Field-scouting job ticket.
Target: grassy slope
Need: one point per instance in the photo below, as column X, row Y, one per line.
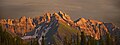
column 63, row 31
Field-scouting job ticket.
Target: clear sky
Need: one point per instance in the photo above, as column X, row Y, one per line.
column 103, row 10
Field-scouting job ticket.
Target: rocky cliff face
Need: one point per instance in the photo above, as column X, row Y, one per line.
column 23, row 25
column 93, row 28
column 18, row 26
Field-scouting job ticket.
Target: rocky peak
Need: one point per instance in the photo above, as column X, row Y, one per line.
column 58, row 17
column 80, row 21
column 29, row 20
column 9, row 21
column 66, row 17
column 47, row 17
column 61, row 13
column 110, row 26
column 23, row 19
column 93, row 28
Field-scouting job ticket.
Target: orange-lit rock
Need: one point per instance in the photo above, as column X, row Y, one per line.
column 23, row 25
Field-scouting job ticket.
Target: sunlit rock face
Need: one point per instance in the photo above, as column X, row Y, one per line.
column 66, row 18
column 57, row 16
column 92, row 28
column 30, row 25
column 18, row 26
column 47, row 17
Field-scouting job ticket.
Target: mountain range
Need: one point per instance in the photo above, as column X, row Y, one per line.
column 58, row 25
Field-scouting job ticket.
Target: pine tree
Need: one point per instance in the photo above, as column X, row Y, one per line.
column 78, row 41
column 113, row 40
column 71, row 39
column 7, row 39
column 91, row 41
column 88, row 42
column 65, row 41
column 108, row 39
column 43, row 40
column 83, row 39
column 35, row 42
column 74, row 41
column 101, row 41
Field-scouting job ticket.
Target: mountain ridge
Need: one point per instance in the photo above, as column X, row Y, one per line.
column 24, row 25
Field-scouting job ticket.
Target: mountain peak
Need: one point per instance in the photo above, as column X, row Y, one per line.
column 60, row 12
column 92, row 28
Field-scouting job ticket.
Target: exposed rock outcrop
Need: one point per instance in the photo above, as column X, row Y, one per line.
column 91, row 27
column 66, row 18
column 23, row 25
